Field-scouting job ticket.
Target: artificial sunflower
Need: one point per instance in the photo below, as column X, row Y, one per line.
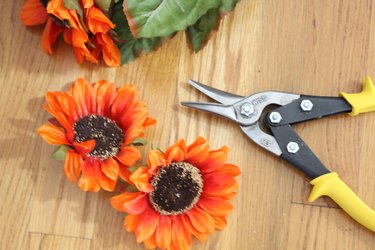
column 97, row 123
column 182, row 192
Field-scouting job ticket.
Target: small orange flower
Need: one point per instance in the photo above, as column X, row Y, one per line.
column 105, row 45
column 182, row 192
column 98, row 122
column 34, row 13
column 97, row 21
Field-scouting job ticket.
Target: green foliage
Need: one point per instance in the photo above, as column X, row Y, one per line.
column 60, row 152
column 130, row 47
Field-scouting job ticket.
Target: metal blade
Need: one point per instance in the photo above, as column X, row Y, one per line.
column 218, row 109
column 216, row 94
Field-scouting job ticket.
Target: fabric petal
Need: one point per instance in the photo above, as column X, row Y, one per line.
column 50, row 35
column 176, row 152
column 200, row 236
column 84, row 147
column 52, row 134
column 88, row 182
column 181, row 236
column 73, row 165
column 201, row 220
column 215, row 205
column 141, row 179
column 155, row 159
column 110, row 168
column 150, row 243
column 83, row 95
column 220, row 222
column 129, row 155
column 131, row 222
column 229, row 169
column 163, row 232
column 105, row 94
column 147, row 225
column 124, row 173
column 214, row 160
column 197, row 151
column 221, row 185
column 132, row 203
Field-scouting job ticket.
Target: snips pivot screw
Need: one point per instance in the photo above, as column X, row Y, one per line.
column 306, row 105
column 292, row 147
column 247, row 109
column 275, row 117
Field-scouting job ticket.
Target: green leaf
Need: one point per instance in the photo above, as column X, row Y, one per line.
column 104, row 5
column 130, row 47
column 200, row 31
column 139, row 141
column 60, row 152
column 159, row 18
column 74, row 5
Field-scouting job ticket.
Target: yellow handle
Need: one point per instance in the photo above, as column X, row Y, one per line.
column 331, row 185
column 363, row 101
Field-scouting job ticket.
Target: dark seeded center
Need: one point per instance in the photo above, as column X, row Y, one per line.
column 107, row 135
column 177, row 188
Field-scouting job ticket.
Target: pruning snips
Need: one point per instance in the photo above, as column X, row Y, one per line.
column 283, row 141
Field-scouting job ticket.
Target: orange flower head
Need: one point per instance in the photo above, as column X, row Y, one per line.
column 33, row 13
column 98, row 123
column 182, row 192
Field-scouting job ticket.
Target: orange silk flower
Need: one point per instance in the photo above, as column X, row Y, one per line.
column 98, row 122
column 182, row 192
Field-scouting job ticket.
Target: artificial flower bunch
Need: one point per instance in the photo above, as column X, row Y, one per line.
column 119, row 31
column 176, row 194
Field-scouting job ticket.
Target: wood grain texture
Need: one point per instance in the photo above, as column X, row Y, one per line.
column 312, row 47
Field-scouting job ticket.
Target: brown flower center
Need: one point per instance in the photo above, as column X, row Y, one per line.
column 107, row 135
column 177, row 188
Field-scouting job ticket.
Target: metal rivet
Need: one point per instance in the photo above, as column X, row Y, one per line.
column 275, row 117
column 247, row 109
column 292, row 147
column 306, row 105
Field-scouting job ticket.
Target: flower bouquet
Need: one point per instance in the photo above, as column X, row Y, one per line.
column 121, row 30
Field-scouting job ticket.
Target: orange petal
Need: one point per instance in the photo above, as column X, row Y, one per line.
column 132, row 203
column 150, row 243
column 149, row 122
column 84, row 147
column 73, row 165
column 52, row 134
column 221, row 185
column 141, row 179
column 200, row 236
column 155, row 159
column 147, row 225
column 215, row 205
column 214, row 160
column 33, row 13
column 105, row 94
column 201, row 220
column 50, row 35
column 163, row 232
column 124, row 173
column 88, row 181
column 129, row 155
column 126, row 97
column 131, row 222
column 82, row 93
column 181, row 236
column 197, row 151
column 87, row 3
column 220, row 222
column 111, row 53
column 229, row 169
column 110, row 168
column 97, row 21
column 176, row 152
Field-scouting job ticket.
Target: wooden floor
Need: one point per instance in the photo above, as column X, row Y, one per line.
column 315, row 47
